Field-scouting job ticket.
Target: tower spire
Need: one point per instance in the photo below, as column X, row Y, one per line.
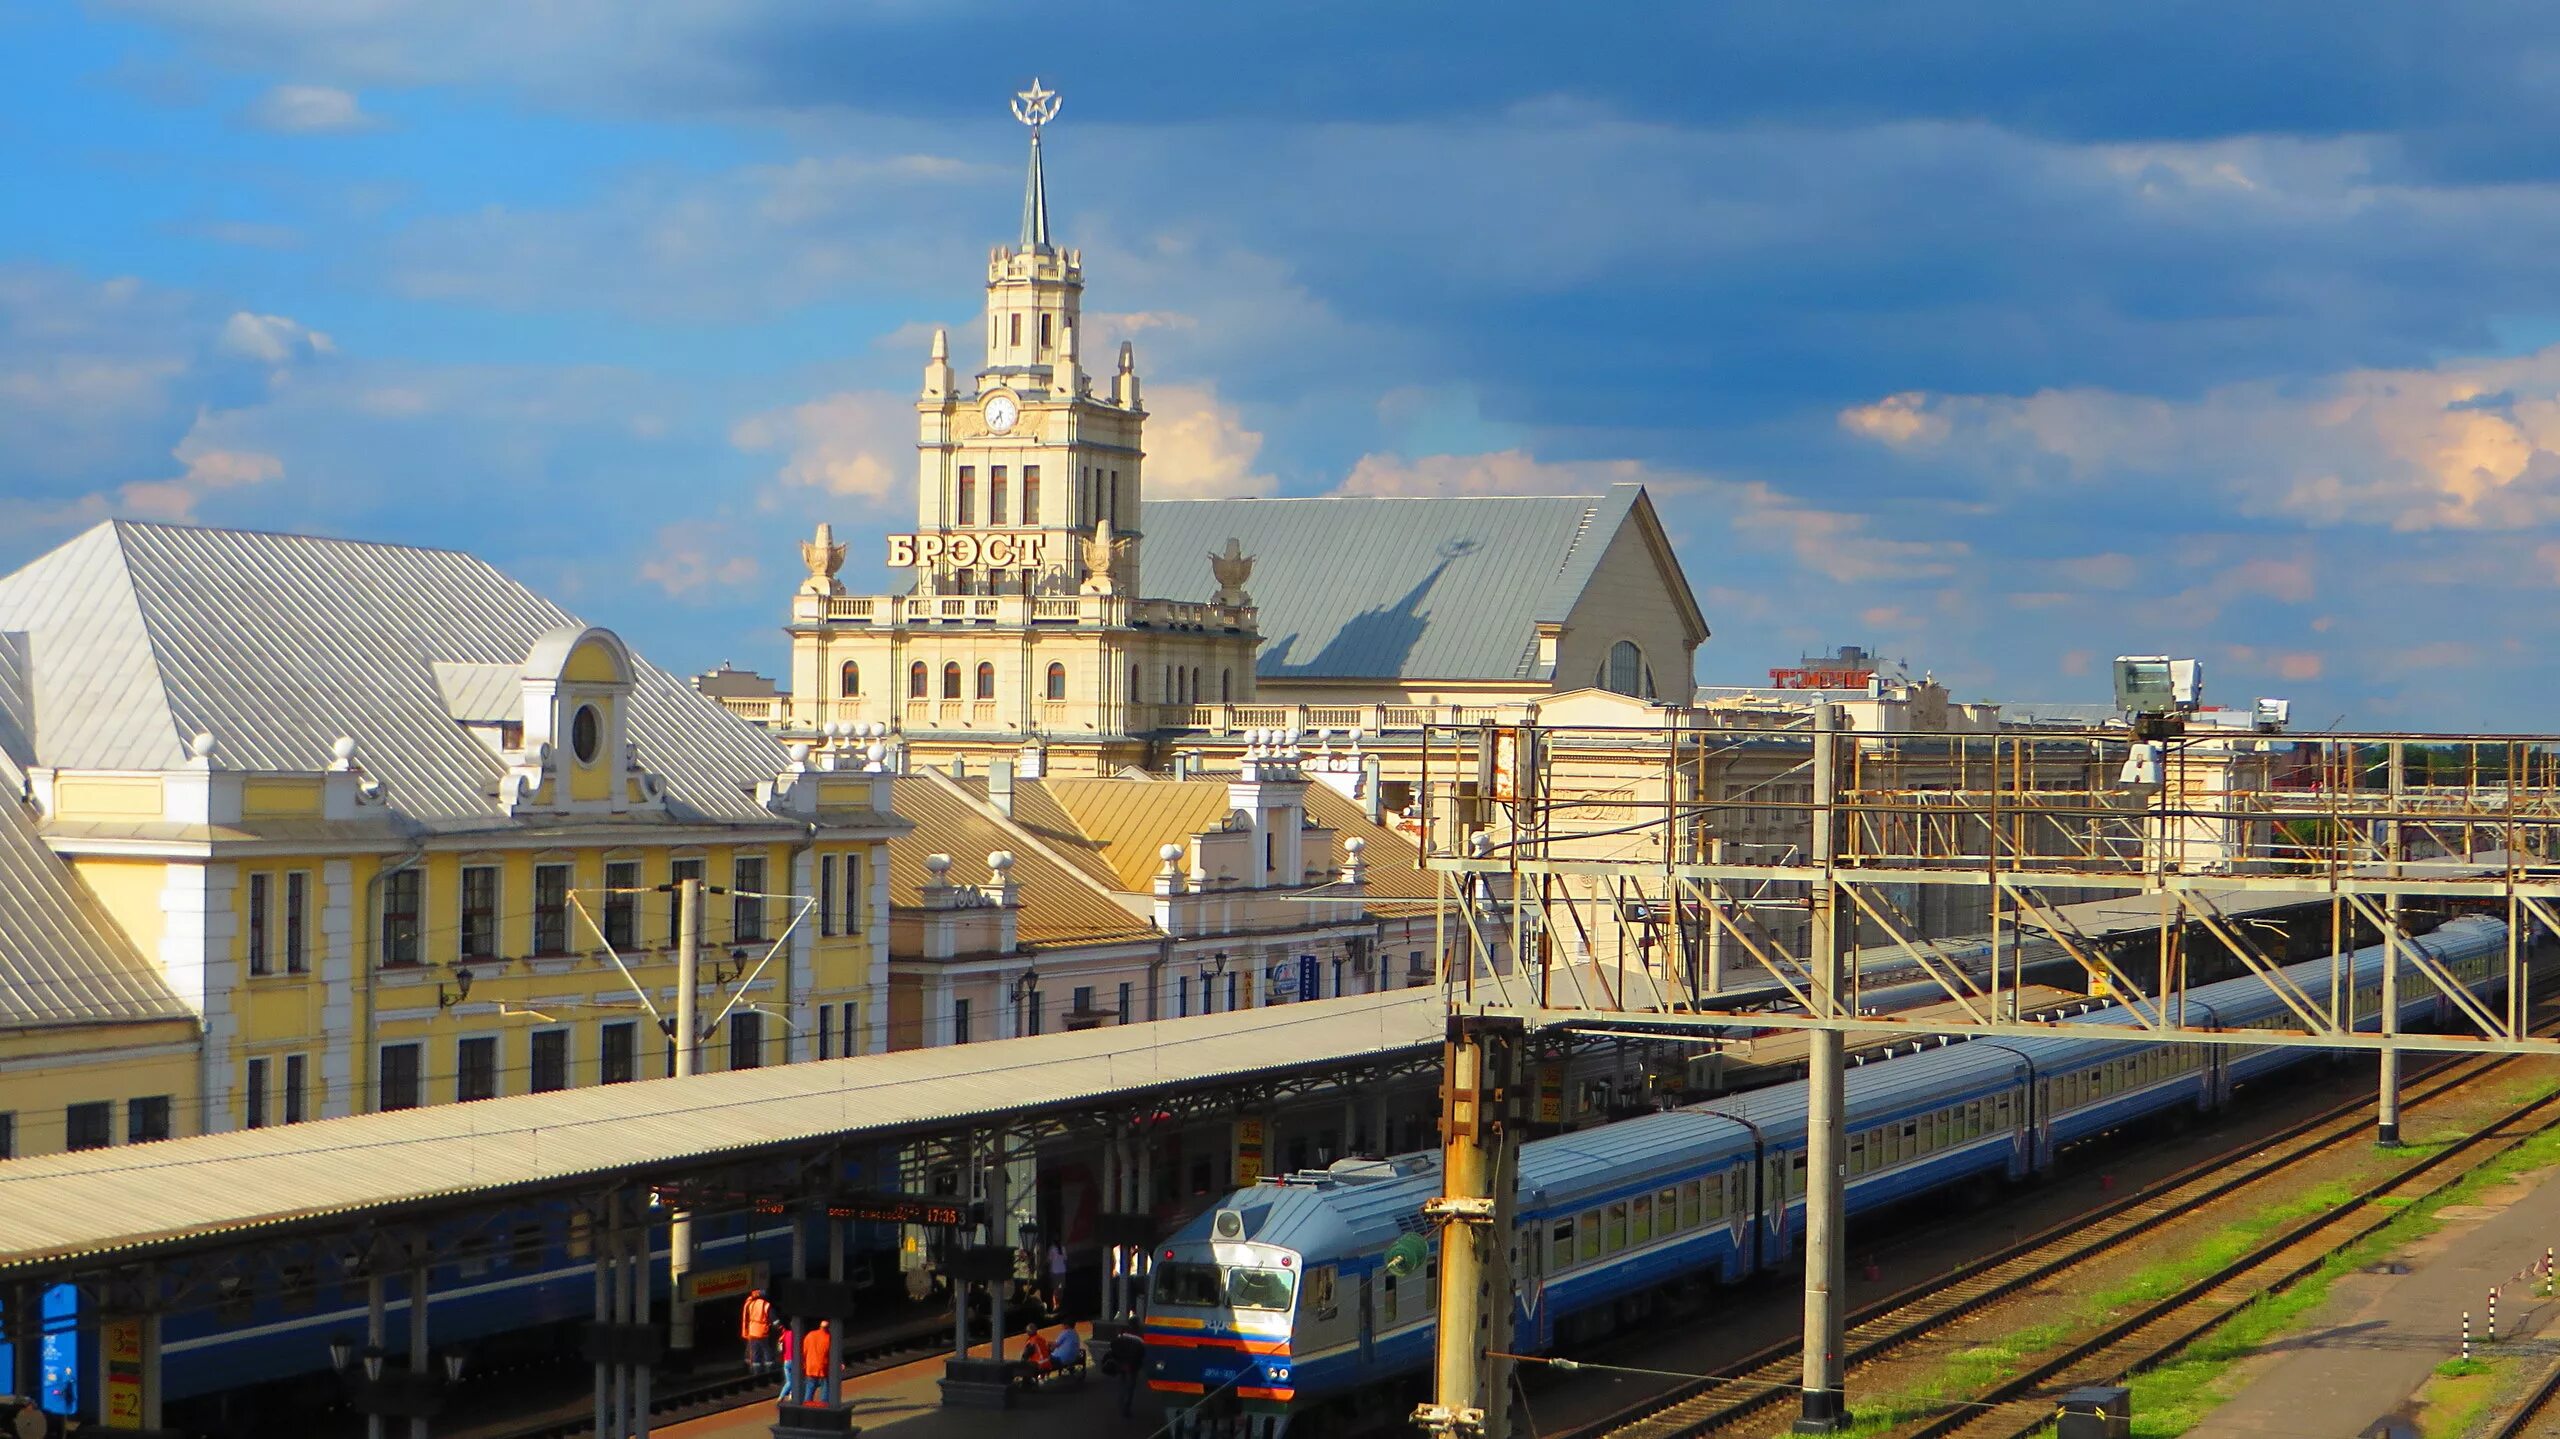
column 1035, row 107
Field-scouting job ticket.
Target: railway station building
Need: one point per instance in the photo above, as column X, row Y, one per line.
column 391, row 829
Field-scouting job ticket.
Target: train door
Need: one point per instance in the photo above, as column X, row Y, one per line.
column 1529, row 1282
column 1368, row 1320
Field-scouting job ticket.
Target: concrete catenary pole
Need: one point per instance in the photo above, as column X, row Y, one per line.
column 2387, row 1105
column 688, row 1056
column 1479, row 1165
column 1824, row 1407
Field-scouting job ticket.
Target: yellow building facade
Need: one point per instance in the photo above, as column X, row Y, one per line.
column 393, row 830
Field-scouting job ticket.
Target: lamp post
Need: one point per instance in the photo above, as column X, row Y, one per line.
column 1026, row 993
column 379, row 1392
column 1209, row 974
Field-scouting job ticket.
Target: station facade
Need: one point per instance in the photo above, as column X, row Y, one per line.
column 392, row 830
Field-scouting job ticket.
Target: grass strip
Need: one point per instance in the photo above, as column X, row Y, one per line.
column 2172, row 1398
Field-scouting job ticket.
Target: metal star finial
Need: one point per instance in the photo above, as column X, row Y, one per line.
column 1035, row 107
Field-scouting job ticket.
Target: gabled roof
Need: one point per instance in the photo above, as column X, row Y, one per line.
column 1397, row 587
column 1130, row 820
column 62, row 960
column 143, row 635
column 1059, row 907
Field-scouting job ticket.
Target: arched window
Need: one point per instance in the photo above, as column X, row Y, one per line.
column 1226, row 687
column 849, row 683
column 1625, row 670
column 915, row 680
column 951, row 681
column 1057, row 681
column 986, row 681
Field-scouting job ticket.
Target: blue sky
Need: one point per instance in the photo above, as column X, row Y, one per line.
column 2001, row 337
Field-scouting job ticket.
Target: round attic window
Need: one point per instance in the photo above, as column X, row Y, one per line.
column 586, row 733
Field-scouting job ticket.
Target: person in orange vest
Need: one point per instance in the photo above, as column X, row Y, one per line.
column 817, row 1352
column 755, row 1325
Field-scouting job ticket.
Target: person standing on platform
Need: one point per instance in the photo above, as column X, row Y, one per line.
column 755, row 1325
column 786, row 1343
column 1126, row 1361
column 817, row 1352
column 1057, row 1279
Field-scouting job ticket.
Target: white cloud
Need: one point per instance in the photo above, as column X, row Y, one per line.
column 1503, row 472
column 309, row 110
column 2469, row 444
column 272, row 339
column 694, row 561
column 854, row 442
column 1198, row 447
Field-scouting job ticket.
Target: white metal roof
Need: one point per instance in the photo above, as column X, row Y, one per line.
column 140, row 636
column 101, row 1202
column 62, row 959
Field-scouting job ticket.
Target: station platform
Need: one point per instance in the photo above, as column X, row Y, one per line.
column 904, row 1403
column 2360, row 1360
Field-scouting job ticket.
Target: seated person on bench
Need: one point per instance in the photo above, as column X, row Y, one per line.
column 1037, row 1357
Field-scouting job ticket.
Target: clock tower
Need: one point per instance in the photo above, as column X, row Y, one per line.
column 1024, row 633
column 1032, row 449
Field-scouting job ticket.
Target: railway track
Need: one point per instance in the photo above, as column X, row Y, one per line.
column 2537, row 1416
column 1768, row 1379
column 2160, row 1331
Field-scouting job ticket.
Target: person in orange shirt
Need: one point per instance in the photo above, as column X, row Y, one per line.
column 817, row 1353
column 755, row 1325
column 1036, row 1356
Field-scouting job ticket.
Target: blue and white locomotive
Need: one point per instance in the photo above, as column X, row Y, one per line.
column 1298, row 1304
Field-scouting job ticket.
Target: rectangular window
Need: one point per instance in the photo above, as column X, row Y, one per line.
column 399, row 1077
column 1231, row 992
column 826, row 1031
column 622, row 903
column 995, row 494
column 258, row 886
column 475, row 1068
column 1084, row 1000
column 849, row 1048
column 619, row 1054
column 1124, row 1001
column 959, row 1021
column 1587, row 1236
column 146, row 1119
column 254, row 1096
column 401, row 894
column 826, row 894
column 1031, row 1012
column 968, row 495
column 1641, row 1219
column 8, row 1134
column 1046, row 321
column 849, row 915
column 1015, row 328
column 1030, row 495
column 89, row 1126
column 746, row 910
column 746, row 1040
column 479, row 911
column 297, row 923
column 296, row 1072
column 550, row 1060
column 678, row 872
column 551, row 909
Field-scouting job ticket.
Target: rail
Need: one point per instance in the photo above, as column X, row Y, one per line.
column 1770, row 1377
column 2160, row 1331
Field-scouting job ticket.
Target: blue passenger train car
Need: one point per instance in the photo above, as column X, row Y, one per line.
column 1299, row 1304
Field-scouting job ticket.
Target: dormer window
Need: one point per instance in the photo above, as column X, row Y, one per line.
column 586, row 734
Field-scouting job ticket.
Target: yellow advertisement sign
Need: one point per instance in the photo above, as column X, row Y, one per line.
column 1248, row 1152
column 120, row 1341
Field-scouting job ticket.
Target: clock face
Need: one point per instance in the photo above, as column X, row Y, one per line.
column 1001, row 411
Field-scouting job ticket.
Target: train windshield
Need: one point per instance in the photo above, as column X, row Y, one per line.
column 1209, row 1286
